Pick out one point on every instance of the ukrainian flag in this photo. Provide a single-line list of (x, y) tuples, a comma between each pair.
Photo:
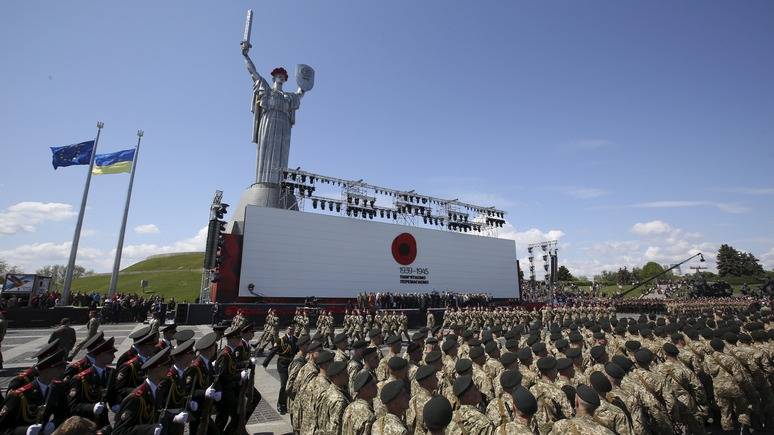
[(113, 163)]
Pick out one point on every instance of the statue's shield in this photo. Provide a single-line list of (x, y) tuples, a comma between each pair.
[(305, 77)]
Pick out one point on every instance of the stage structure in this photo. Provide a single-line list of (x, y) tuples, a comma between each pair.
[(549, 257), (290, 236), (294, 254)]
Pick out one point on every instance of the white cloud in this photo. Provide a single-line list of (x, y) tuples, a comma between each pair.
[(533, 235), (146, 229), (24, 216), (32, 256), (651, 228), (722, 206)]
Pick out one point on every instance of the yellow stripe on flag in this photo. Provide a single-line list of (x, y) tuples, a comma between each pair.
[(116, 168)]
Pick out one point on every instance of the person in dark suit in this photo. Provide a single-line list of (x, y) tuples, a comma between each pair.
[(66, 335)]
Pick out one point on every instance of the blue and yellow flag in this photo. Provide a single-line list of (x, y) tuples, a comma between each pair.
[(113, 163)]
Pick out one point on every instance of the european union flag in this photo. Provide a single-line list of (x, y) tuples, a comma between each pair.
[(76, 154)]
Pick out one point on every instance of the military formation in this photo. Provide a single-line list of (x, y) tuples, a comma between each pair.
[(165, 382), (554, 370)]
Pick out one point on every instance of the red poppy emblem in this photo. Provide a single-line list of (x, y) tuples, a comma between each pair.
[(404, 249)]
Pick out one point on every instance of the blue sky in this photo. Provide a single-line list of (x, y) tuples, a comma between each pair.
[(630, 130)]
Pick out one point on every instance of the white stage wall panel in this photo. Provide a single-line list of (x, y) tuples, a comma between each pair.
[(296, 254)]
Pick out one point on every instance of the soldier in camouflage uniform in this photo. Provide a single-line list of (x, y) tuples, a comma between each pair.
[(330, 407), (395, 399), (468, 419), (311, 393), (730, 386), (586, 403), (607, 414), (427, 384), (691, 402), (552, 401), (501, 410), (295, 389), (359, 415)]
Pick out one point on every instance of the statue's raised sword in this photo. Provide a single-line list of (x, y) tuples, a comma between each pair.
[(248, 27)]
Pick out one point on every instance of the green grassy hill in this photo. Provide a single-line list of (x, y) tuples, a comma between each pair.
[(174, 275)]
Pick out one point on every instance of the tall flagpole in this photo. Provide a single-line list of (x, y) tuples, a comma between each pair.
[(77, 236), (120, 247)]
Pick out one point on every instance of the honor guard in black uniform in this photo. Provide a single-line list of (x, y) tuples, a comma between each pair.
[(183, 336), (247, 332), (233, 371), (89, 395), (130, 374), (285, 348), (167, 335), (132, 351), (140, 413), (82, 364), (25, 377), (173, 385), (39, 406), (201, 383)]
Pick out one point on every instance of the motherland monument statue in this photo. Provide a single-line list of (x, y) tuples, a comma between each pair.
[(274, 114)]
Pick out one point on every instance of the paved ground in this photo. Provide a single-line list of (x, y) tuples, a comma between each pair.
[(20, 344)]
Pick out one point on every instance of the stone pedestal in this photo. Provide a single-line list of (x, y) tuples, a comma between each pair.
[(261, 195)]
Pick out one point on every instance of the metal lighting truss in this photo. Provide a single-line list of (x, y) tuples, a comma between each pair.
[(361, 199)]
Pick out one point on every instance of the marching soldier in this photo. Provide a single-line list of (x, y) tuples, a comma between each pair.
[(132, 351), (285, 348), (140, 412), (28, 375), (340, 344), (427, 382), (130, 375), (39, 406), (183, 336), (552, 402), (233, 373), (395, 399), (90, 393), (607, 414), (167, 335), (356, 363), (501, 410), (312, 391), (468, 418), (82, 364), (200, 383), (437, 414), (586, 402), (299, 360), (172, 388), (359, 415), (92, 328), (333, 401)]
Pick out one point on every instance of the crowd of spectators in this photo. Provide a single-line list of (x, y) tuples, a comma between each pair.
[(394, 300)]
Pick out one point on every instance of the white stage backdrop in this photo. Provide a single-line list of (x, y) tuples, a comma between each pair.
[(295, 254)]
